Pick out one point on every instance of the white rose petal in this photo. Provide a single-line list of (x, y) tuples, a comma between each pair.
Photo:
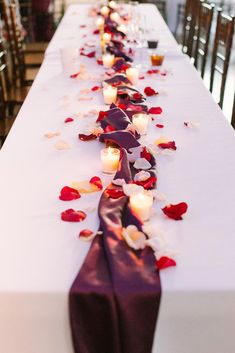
[(130, 189), (142, 176), (134, 238), (142, 163), (119, 182)]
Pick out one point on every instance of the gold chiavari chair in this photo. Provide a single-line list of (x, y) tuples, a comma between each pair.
[(205, 18), (222, 52)]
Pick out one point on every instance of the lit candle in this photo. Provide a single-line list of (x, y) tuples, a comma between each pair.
[(133, 75), (99, 22), (107, 37), (112, 4), (141, 204), (110, 159), (104, 11), (122, 28), (110, 94), (115, 17), (140, 121), (108, 60)]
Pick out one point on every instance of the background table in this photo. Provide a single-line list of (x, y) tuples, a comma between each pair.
[(40, 255)]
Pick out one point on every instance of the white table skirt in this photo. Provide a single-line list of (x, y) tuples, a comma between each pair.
[(40, 255)]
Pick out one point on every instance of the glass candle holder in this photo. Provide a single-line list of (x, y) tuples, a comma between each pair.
[(108, 60), (141, 204), (157, 57), (110, 159), (133, 75), (110, 94), (141, 121)]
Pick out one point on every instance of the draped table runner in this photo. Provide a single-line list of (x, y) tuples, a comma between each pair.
[(40, 255)]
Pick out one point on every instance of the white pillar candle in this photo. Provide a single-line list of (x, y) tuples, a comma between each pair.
[(110, 159), (108, 60), (104, 11), (99, 22), (133, 75), (140, 121), (110, 94), (122, 28), (115, 17), (112, 4), (141, 204), (107, 37)]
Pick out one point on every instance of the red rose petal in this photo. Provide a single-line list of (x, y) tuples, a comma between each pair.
[(146, 154), (114, 193), (175, 211), (99, 61), (150, 91), (155, 110), (82, 26), (101, 116), (150, 72), (71, 215), (89, 55), (75, 75), (165, 262), (96, 31), (86, 233), (69, 194), (97, 182), (141, 78), (95, 88), (160, 126), (122, 106), (168, 145), (68, 120), (109, 128), (137, 96), (147, 184), (84, 137)]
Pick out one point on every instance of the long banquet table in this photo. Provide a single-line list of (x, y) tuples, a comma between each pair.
[(40, 255)]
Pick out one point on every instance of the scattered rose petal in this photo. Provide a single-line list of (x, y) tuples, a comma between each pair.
[(101, 116), (96, 88), (165, 262), (69, 194), (109, 128), (71, 215), (85, 98), (142, 176), (119, 182), (157, 243), (82, 26), (75, 75), (155, 110), (134, 238), (151, 72), (134, 154), (84, 137), (114, 193), (87, 235), (142, 163), (146, 154), (68, 120), (137, 96), (89, 55), (168, 145), (96, 31), (62, 145), (130, 189), (99, 61), (50, 135), (190, 124), (158, 195), (141, 78), (160, 126), (150, 91), (147, 184), (97, 182), (175, 211)]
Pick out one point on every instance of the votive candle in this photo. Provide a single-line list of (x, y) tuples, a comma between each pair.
[(140, 121), (100, 22), (110, 94), (110, 159), (107, 37), (132, 74), (112, 4), (108, 60), (141, 204), (115, 17), (104, 11)]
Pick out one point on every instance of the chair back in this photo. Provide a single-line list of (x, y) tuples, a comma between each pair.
[(190, 25), (222, 51), (206, 12), (4, 81)]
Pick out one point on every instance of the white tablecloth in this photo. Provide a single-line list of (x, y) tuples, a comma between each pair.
[(40, 255)]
